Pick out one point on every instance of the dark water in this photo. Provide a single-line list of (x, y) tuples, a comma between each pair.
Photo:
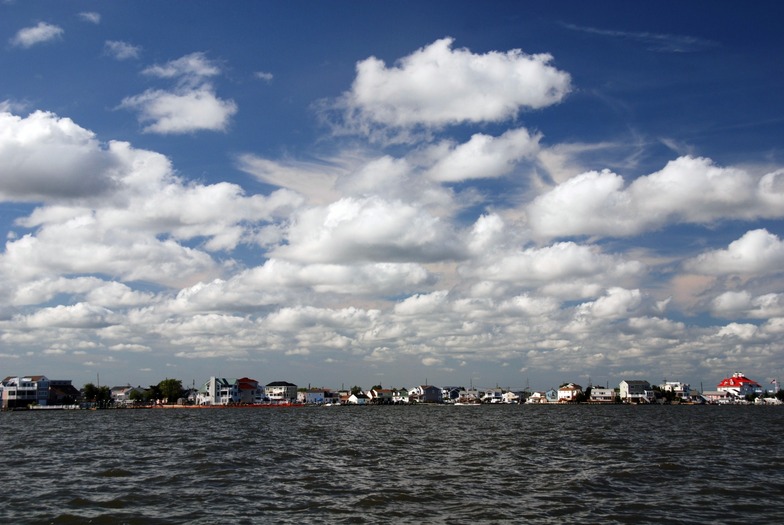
[(422, 464)]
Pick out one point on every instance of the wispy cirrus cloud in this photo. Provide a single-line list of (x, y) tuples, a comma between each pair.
[(661, 42)]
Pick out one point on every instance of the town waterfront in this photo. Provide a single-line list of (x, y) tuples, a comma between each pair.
[(396, 464)]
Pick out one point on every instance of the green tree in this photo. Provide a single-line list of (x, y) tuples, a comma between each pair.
[(154, 393), (170, 390), (90, 392), (136, 395), (101, 396), (355, 390)]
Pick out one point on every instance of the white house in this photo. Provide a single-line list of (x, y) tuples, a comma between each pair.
[(400, 396), (636, 391), (569, 392), (493, 395), (358, 399), (313, 396), (510, 397), (536, 397), (218, 391), (681, 390), (602, 395)]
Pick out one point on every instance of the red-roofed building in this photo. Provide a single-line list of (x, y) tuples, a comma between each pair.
[(739, 385)]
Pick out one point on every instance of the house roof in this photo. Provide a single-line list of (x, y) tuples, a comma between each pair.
[(281, 383), (737, 380)]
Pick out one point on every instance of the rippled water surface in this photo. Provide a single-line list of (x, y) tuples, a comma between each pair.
[(418, 464)]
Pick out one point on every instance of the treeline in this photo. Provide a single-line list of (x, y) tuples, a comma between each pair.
[(167, 391)]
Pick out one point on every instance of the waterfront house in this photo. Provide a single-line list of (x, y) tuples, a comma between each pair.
[(739, 386), (380, 396), (281, 392), (218, 391), (249, 391), (536, 398), (717, 397), (358, 399), (121, 395), (493, 395), (427, 394), (313, 396), (400, 396), (450, 394), (636, 391), (21, 391), (510, 397), (602, 395), (543, 397), (681, 390), (569, 392), (468, 397)]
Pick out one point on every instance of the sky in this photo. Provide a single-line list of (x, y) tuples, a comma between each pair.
[(515, 194)]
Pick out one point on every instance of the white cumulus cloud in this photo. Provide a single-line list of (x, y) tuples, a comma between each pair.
[(121, 50), (191, 106), (37, 34), (484, 156), (47, 157), (183, 111), (758, 252), (686, 190), (437, 86), (369, 229)]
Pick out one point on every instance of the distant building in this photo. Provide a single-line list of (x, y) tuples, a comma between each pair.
[(738, 385), (426, 394), (681, 390), (716, 397), (493, 395), (121, 395), (281, 392), (542, 397), (400, 396), (218, 391), (602, 395), (536, 398), (315, 396), (636, 391), (569, 393), (381, 396), (358, 399), (21, 391), (250, 392), (450, 394)]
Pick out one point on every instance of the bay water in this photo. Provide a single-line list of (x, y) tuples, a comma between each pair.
[(395, 464)]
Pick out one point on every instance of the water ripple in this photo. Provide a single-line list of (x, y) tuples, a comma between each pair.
[(494, 464)]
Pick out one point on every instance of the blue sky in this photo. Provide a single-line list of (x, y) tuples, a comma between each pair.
[(333, 193)]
